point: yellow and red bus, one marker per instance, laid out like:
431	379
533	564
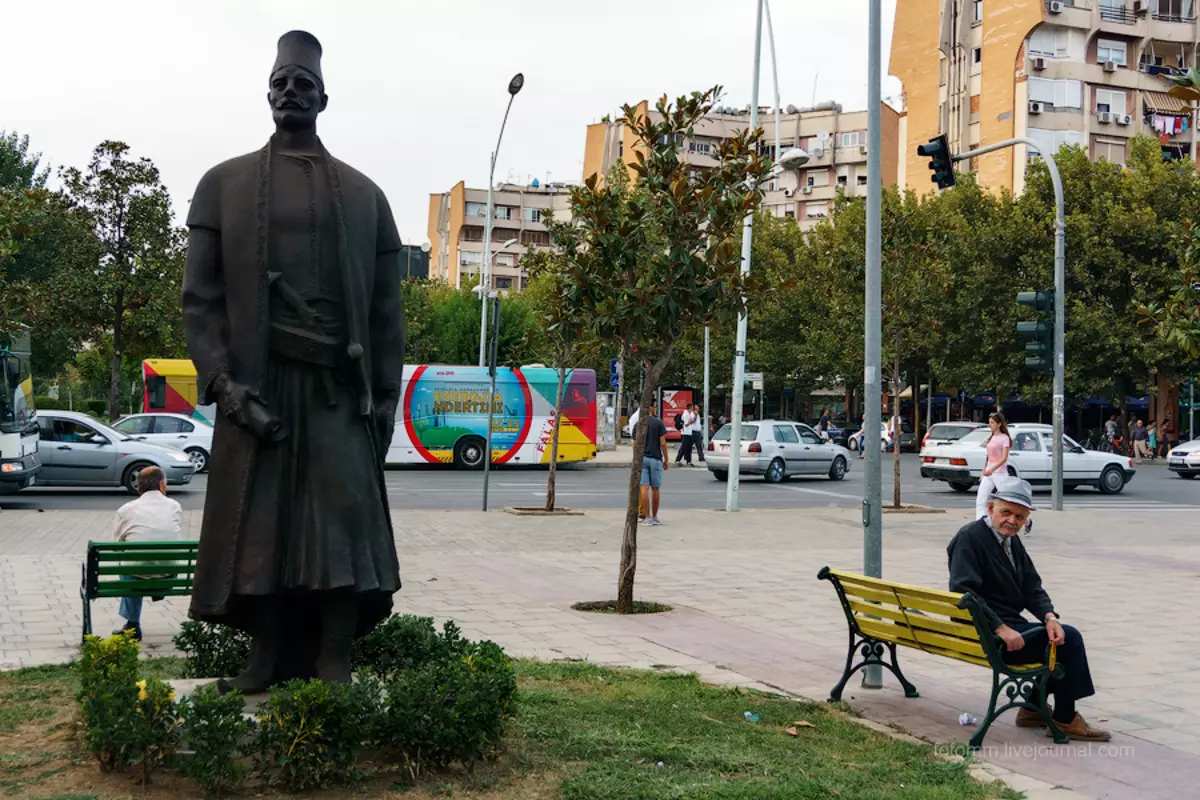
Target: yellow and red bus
442	418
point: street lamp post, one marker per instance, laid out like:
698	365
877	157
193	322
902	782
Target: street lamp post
485	274
494	299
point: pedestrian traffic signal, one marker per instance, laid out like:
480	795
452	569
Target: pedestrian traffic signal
1040	334
941	162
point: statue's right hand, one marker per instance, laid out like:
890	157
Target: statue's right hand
234	399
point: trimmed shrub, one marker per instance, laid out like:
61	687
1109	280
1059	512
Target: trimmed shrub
48	403
403	642
310	733
212	651
97	408
213	728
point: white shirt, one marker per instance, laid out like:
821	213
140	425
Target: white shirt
691	422
153	517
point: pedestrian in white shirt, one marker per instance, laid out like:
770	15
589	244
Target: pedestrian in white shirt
153	517
696	431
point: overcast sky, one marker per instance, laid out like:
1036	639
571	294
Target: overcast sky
417	87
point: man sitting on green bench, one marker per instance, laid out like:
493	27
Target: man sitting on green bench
988	559
153	517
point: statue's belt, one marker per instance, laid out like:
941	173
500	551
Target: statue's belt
309	342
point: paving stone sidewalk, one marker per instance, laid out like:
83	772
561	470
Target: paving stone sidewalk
750	611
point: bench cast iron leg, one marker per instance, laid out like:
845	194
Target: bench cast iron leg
872	654
977	739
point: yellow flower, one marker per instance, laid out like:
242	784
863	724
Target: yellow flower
141	690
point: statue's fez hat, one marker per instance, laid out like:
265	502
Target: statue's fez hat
300	49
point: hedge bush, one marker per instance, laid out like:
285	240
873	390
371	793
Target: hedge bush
403	642
212	651
48	403
97	408
215	729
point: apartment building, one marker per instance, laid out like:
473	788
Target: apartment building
1091	73
835	140
457	221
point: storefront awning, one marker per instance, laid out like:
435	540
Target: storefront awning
1163	103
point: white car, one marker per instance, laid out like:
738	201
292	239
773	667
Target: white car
1184	460
1030	458
885	438
192	435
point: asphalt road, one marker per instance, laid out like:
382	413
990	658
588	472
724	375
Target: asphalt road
428	487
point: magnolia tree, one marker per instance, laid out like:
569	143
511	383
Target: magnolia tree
651	252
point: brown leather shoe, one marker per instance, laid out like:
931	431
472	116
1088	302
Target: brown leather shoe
1081	731
1027	718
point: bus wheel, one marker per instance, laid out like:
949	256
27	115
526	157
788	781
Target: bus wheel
468	453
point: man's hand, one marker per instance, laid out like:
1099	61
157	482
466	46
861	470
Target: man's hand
234	399
666	463
1013	641
1054	630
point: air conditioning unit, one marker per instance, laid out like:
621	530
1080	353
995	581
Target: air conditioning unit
817	152
1035	107
862	149
1039	63
807	190
1056	6
1124	119
1105	117
1139	7
1110	66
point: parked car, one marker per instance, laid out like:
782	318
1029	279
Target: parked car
777	450
885	438
961	462
948	432
839	431
189	434
1184	460
78	450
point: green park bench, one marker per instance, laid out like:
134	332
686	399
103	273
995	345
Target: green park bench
162	569
883	614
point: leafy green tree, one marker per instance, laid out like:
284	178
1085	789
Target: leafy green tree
133	292
20	169
1175	316
650	260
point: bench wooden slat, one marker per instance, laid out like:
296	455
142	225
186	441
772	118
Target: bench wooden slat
921	604
947	627
907	588
890	631
142	586
147	555
147	569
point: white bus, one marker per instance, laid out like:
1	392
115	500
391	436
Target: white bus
19	460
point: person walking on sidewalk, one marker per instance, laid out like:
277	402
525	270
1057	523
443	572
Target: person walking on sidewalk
1141	441
697	433
654	464
1169	436
1152	435
153	517
998	445
988	559
685	422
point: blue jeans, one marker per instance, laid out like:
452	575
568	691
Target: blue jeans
131	607
652	472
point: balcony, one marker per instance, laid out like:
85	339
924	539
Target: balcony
1172	10
1121	14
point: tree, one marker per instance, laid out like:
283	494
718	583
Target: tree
559	339
20	169
1175	318
133	293
649	261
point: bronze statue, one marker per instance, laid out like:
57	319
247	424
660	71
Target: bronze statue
291	305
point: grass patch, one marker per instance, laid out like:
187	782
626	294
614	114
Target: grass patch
610	607
582	732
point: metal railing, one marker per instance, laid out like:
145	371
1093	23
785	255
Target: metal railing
1125	16
1163	17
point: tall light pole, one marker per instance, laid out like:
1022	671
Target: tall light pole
485	275
872	510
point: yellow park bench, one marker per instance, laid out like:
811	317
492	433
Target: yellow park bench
883	614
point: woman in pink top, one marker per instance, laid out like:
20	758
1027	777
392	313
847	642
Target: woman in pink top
997	461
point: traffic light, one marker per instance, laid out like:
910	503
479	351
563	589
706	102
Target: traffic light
941	162
1040	334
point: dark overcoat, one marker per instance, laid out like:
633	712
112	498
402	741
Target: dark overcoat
225	316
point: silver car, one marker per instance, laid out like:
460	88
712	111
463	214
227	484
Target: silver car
777	450
78	450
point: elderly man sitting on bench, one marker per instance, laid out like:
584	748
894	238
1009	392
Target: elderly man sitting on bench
152	517
988	559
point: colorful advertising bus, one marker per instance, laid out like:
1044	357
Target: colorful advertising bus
19	460
443	415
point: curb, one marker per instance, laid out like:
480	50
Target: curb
540	512
907	508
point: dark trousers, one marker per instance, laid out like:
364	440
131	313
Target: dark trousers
698	444
685	448
1076	683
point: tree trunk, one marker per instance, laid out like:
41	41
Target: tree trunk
896	427
917	405
1124	404
558	404
114	381
629	540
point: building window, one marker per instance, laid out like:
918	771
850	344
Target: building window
470	233
1107	100
535	237
506	259
974	104
816	210
1111	150
532	214
470	257
1048	42
1051	141
790	213
854	138
1111	50
978	10
818	177
978	55
1060	94
842	179
702	148
1174	11
476	209
862	180
504	283
620	149
504	212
